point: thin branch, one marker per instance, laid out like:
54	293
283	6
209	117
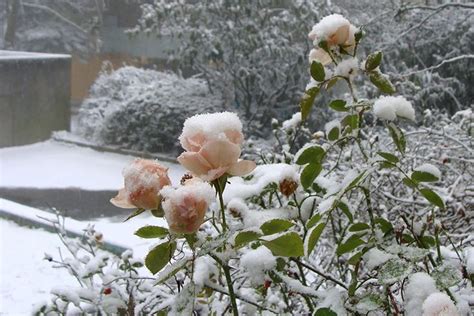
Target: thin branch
55	13
446	61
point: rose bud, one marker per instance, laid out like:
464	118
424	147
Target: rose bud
143	181
288	186
212	143
186	205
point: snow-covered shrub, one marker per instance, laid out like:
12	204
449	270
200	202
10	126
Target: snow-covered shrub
143	109
360	221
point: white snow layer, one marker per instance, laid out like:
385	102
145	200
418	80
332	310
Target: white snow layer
388	108
53	164
429	168
327	27
257	262
420	286
347	67
439	304
213	125
375	257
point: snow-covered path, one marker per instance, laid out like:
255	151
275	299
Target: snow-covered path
52	164
25	278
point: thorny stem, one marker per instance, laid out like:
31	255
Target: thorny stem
229	282
221	202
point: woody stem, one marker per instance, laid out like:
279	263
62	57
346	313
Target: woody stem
221	202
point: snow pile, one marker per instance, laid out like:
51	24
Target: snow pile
420	286
257	262
328	26
388	108
142	109
375	257
213	125
429	168
347	67
439	304
329	126
470	260
204	268
293	122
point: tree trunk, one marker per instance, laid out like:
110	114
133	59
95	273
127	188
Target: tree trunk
12	13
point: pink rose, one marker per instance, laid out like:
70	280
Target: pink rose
143	181
335	30
186	205
212	144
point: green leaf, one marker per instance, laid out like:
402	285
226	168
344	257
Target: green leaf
373	61
356	180
358	227
309	173
325	311
313	237
394	270
159	256
313	221
191	239
350	120
446	276
287	245
311	154
333	134
381	81
358	35
345	209
331	83
352	243
338	105
245	237
428	241
355	259
385	225
317	71
410	183
398	137
151	232
388	156
307	102
432	197
422	176
135	213
275	226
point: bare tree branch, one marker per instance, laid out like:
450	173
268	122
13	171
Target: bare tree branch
446	61
55	13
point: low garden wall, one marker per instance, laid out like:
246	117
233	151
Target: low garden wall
34	96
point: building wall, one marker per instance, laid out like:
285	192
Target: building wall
34	96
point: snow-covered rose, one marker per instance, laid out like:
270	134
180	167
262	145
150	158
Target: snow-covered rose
335	30
212	143
143	181
186	205
439	304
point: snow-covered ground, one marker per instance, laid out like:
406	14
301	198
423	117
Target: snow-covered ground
25	278
52	164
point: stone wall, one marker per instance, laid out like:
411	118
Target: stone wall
35	94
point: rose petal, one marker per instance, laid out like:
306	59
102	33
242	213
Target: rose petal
220	153
234	136
121	200
194	163
242	167
340	36
320	55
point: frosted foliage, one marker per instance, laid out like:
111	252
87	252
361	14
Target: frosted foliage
429	168
257	262
420	286
293	122
375	257
470	260
141	109
439	304
388	108
204	268
348	67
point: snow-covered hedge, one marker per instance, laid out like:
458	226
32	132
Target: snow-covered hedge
142	109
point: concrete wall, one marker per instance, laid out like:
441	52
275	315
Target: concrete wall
34	96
